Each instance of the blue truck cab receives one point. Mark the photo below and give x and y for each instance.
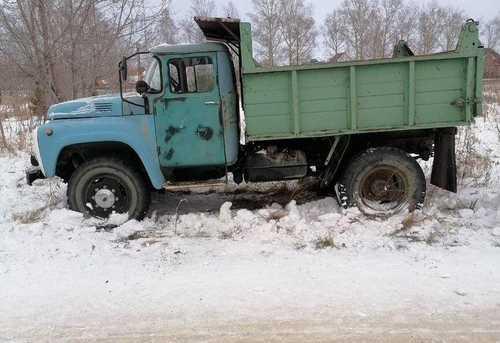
(112, 150)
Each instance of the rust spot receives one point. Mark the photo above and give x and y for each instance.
(171, 132)
(169, 154)
(205, 133)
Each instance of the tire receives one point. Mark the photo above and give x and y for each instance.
(382, 182)
(103, 186)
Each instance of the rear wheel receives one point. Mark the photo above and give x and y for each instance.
(104, 186)
(383, 181)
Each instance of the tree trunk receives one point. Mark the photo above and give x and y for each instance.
(48, 57)
(3, 139)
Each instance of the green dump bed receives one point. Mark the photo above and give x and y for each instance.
(439, 90)
(401, 93)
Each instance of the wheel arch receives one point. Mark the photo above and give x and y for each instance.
(418, 143)
(133, 134)
(71, 156)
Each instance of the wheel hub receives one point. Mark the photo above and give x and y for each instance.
(383, 189)
(379, 188)
(104, 198)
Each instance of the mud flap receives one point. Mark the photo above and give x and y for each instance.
(334, 160)
(341, 195)
(444, 168)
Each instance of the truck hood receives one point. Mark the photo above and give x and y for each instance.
(97, 106)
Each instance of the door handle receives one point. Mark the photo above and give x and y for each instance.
(211, 103)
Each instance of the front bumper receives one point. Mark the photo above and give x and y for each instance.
(32, 174)
(36, 156)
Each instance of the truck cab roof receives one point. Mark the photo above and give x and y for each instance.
(188, 48)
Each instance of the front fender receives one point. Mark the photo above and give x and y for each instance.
(137, 131)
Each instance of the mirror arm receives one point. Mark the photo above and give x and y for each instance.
(145, 105)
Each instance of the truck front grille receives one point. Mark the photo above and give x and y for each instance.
(103, 107)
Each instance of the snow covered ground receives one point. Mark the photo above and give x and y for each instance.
(251, 265)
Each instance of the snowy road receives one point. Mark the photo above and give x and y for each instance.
(244, 294)
(220, 296)
(474, 327)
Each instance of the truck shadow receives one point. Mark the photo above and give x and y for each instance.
(243, 197)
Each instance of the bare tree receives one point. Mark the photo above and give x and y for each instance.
(298, 30)
(31, 44)
(66, 47)
(430, 26)
(230, 10)
(370, 28)
(406, 23)
(452, 22)
(166, 29)
(389, 10)
(199, 8)
(491, 33)
(334, 29)
(359, 15)
(3, 139)
(397, 21)
(266, 30)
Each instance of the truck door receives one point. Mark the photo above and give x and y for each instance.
(188, 127)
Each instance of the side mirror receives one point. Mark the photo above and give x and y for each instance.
(123, 69)
(141, 87)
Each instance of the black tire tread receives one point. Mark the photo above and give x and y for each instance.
(143, 194)
(367, 157)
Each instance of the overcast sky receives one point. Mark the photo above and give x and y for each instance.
(477, 9)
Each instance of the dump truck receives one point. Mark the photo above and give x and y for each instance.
(206, 111)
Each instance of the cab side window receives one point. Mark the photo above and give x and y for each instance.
(191, 75)
(153, 76)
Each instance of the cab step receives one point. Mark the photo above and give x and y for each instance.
(179, 186)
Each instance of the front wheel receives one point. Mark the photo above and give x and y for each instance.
(102, 186)
(383, 181)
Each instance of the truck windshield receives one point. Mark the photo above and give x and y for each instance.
(153, 76)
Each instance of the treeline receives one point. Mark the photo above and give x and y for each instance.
(55, 50)
(286, 32)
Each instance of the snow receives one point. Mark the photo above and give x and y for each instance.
(246, 260)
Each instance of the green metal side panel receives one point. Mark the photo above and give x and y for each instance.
(267, 103)
(323, 99)
(403, 93)
(438, 84)
(381, 96)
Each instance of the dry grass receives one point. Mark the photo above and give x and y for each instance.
(473, 167)
(30, 216)
(17, 134)
(325, 242)
(277, 215)
(17, 121)
(410, 221)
